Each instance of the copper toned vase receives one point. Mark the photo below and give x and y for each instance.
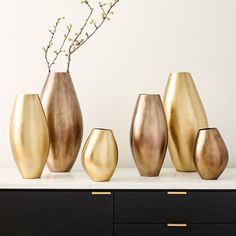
(210, 155)
(100, 155)
(185, 116)
(29, 135)
(148, 134)
(64, 118)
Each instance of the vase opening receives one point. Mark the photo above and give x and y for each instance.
(59, 72)
(149, 94)
(181, 75)
(102, 129)
(28, 94)
(212, 128)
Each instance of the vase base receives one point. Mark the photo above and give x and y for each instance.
(59, 169)
(205, 178)
(187, 171)
(98, 180)
(153, 174)
(31, 177)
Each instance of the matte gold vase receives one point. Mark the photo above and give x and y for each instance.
(29, 135)
(148, 134)
(210, 154)
(64, 118)
(185, 116)
(100, 155)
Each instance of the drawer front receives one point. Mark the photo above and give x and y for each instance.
(161, 207)
(163, 230)
(55, 213)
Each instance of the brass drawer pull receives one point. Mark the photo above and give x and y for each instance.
(101, 193)
(177, 225)
(177, 193)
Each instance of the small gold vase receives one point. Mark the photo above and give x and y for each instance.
(100, 155)
(65, 121)
(149, 135)
(185, 116)
(210, 154)
(29, 135)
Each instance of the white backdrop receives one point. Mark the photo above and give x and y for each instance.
(132, 54)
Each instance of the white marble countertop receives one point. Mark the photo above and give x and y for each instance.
(124, 178)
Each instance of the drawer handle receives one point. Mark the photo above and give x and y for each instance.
(177, 193)
(101, 193)
(177, 225)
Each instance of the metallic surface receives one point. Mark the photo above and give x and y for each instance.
(185, 116)
(177, 225)
(149, 135)
(211, 155)
(64, 118)
(29, 135)
(100, 155)
(101, 193)
(177, 193)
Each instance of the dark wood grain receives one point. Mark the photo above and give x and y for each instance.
(163, 230)
(158, 207)
(55, 213)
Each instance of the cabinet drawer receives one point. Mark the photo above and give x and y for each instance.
(55, 213)
(163, 230)
(160, 207)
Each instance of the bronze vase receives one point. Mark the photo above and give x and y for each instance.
(148, 134)
(100, 155)
(29, 135)
(185, 116)
(210, 154)
(64, 118)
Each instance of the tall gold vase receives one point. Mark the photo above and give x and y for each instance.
(29, 135)
(148, 134)
(64, 118)
(100, 155)
(185, 116)
(211, 154)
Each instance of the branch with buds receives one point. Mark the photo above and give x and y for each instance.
(82, 36)
(50, 44)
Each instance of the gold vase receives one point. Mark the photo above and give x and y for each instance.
(185, 116)
(211, 154)
(148, 134)
(29, 135)
(100, 155)
(64, 118)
